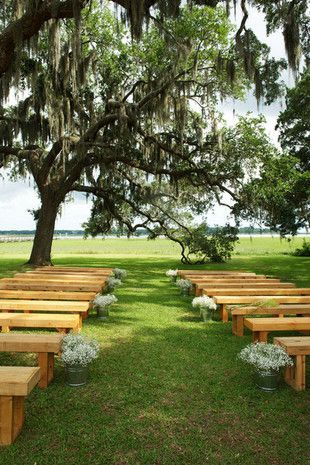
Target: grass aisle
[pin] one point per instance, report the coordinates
(167, 390)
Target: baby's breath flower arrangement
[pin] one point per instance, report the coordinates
(101, 304)
(104, 300)
(112, 283)
(119, 273)
(266, 359)
(204, 302)
(172, 274)
(78, 350)
(206, 306)
(185, 286)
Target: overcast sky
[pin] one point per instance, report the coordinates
(19, 197)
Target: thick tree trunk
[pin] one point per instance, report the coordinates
(43, 239)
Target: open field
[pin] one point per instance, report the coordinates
(161, 247)
(167, 388)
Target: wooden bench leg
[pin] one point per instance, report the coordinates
(260, 336)
(5, 328)
(224, 313)
(300, 373)
(11, 418)
(296, 376)
(237, 325)
(46, 364)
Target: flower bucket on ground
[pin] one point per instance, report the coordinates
(172, 274)
(206, 305)
(266, 359)
(111, 283)
(185, 286)
(119, 273)
(101, 304)
(77, 353)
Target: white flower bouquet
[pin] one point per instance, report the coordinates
(264, 357)
(102, 301)
(112, 283)
(78, 350)
(119, 273)
(185, 285)
(206, 306)
(172, 274)
(204, 302)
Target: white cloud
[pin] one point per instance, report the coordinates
(18, 197)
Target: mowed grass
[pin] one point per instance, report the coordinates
(167, 388)
(159, 247)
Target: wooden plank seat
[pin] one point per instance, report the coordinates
(15, 384)
(46, 295)
(54, 306)
(45, 345)
(238, 314)
(264, 291)
(61, 322)
(59, 277)
(58, 281)
(299, 348)
(244, 286)
(223, 301)
(77, 269)
(260, 327)
(64, 274)
(268, 283)
(214, 272)
(237, 278)
(15, 284)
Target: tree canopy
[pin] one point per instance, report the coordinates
(134, 123)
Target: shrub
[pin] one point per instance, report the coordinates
(304, 250)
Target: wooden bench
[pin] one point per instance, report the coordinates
(298, 347)
(223, 301)
(45, 345)
(101, 274)
(15, 284)
(15, 384)
(201, 286)
(263, 291)
(61, 322)
(56, 279)
(260, 327)
(207, 272)
(76, 276)
(53, 269)
(47, 295)
(54, 306)
(239, 313)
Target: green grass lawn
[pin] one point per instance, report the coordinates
(167, 388)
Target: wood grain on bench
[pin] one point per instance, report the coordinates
(61, 322)
(46, 295)
(14, 284)
(45, 345)
(223, 301)
(299, 348)
(15, 384)
(238, 313)
(260, 327)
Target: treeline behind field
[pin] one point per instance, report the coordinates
(119, 232)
